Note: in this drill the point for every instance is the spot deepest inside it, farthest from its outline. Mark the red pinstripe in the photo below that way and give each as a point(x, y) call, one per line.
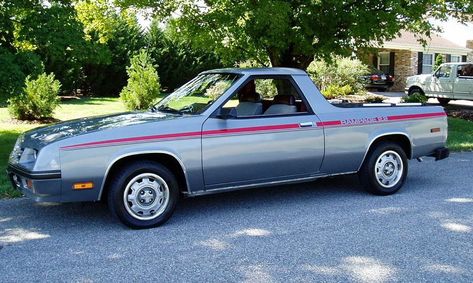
point(333, 123)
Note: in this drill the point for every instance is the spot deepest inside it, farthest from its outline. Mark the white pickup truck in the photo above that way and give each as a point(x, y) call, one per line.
point(450, 81)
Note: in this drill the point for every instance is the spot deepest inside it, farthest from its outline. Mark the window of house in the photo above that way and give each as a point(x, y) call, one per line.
point(455, 58)
point(384, 60)
point(427, 63)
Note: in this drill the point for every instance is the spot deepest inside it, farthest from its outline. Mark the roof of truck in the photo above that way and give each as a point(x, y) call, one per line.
point(260, 71)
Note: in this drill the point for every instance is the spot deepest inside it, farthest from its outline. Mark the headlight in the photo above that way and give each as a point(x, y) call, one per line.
point(29, 155)
point(48, 159)
point(17, 151)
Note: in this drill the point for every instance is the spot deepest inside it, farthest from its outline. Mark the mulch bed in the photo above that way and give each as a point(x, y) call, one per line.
point(466, 114)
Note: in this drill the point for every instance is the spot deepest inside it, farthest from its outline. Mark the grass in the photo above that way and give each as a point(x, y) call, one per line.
point(460, 135)
point(460, 131)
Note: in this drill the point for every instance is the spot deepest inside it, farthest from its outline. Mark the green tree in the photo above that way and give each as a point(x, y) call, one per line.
point(52, 31)
point(143, 83)
point(176, 60)
point(115, 36)
point(289, 33)
point(438, 61)
point(16, 63)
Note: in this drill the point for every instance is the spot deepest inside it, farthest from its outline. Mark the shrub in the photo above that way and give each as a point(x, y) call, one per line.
point(374, 99)
point(143, 83)
point(334, 91)
point(417, 97)
point(338, 71)
point(38, 99)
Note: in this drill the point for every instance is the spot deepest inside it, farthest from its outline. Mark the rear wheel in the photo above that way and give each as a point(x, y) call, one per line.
point(143, 194)
point(443, 101)
point(384, 170)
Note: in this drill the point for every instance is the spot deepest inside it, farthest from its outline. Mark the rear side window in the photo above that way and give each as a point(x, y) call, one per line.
point(465, 71)
point(266, 96)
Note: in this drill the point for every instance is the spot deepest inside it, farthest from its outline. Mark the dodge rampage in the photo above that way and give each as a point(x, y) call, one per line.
point(224, 130)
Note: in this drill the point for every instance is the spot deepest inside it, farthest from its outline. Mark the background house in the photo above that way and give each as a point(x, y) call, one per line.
point(405, 56)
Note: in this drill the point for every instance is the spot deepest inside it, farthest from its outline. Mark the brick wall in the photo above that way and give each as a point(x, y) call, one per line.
point(405, 65)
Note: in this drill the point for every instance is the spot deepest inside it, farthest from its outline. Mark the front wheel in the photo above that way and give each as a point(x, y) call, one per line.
point(415, 91)
point(384, 170)
point(143, 194)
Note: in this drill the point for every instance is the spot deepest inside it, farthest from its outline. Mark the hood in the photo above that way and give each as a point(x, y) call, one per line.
point(45, 135)
point(420, 77)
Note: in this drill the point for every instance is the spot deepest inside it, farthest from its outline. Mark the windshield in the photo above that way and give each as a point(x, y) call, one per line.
point(197, 95)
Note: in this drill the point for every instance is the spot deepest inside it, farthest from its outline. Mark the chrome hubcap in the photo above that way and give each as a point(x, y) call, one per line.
point(146, 196)
point(389, 169)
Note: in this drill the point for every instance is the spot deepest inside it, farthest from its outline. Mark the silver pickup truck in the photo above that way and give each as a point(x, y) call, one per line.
point(450, 81)
point(224, 130)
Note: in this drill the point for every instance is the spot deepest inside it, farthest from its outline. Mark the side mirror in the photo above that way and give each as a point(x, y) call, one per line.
point(226, 113)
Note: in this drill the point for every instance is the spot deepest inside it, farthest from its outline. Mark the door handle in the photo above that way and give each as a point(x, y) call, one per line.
point(306, 124)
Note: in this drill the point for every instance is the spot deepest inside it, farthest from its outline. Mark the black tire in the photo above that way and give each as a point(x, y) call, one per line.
point(443, 101)
point(415, 90)
point(157, 177)
point(369, 177)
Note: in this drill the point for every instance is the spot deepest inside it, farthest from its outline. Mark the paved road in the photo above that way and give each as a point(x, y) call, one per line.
point(329, 230)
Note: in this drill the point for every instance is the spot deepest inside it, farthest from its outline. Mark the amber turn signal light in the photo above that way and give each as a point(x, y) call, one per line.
point(83, 186)
point(435, 130)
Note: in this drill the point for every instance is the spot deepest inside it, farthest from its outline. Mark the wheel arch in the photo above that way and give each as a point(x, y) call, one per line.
point(412, 87)
point(397, 137)
point(167, 159)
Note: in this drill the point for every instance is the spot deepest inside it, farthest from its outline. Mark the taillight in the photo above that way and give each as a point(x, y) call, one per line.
point(374, 77)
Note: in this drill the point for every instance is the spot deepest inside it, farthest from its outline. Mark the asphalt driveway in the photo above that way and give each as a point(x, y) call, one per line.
point(329, 230)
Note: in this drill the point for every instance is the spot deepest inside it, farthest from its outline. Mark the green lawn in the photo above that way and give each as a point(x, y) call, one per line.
point(460, 131)
point(460, 134)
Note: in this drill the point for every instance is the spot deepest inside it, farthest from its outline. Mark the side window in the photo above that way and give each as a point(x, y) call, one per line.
point(266, 97)
point(444, 71)
point(465, 71)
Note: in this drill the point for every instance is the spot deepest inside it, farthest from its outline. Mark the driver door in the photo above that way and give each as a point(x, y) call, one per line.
point(239, 151)
point(442, 85)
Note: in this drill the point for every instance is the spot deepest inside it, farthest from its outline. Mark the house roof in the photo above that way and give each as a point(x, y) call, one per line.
point(436, 44)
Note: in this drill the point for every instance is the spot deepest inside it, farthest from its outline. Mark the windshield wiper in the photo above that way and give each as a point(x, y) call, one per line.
point(167, 109)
